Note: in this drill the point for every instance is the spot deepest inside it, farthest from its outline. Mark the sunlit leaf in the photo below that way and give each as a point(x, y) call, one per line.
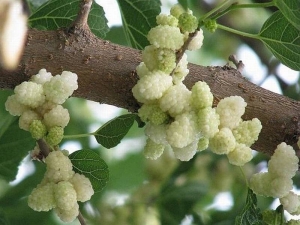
point(90, 164)
point(55, 14)
point(250, 214)
point(291, 10)
point(283, 39)
point(14, 146)
point(112, 132)
point(138, 17)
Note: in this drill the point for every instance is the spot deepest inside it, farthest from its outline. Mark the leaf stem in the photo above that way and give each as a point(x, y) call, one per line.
point(242, 6)
point(205, 16)
point(82, 17)
point(74, 136)
point(255, 36)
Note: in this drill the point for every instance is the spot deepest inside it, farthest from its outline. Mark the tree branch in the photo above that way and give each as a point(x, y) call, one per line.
point(107, 74)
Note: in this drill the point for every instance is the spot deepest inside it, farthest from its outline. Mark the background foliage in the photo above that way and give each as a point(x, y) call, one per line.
point(142, 191)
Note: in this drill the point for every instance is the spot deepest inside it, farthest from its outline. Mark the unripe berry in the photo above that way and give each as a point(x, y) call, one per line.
point(37, 129)
point(177, 10)
point(55, 135)
point(187, 22)
point(153, 150)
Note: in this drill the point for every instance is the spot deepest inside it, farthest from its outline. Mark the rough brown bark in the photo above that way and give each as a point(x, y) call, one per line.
point(106, 75)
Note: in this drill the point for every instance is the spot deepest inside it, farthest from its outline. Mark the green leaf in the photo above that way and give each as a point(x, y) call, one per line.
point(89, 163)
point(138, 16)
point(55, 14)
point(112, 132)
point(283, 40)
point(183, 3)
point(250, 214)
point(14, 146)
point(291, 10)
point(274, 217)
point(178, 201)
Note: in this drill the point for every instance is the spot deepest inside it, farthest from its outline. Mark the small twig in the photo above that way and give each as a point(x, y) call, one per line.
point(181, 51)
point(81, 219)
point(45, 150)
point(82, 17)
point(238, 63)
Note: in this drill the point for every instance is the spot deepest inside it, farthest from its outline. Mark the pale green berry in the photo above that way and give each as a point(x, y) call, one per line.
point(203, 144)
point(55, 135)
point(177, 10)
point(65, 195)
point(60, 87)
point(159, 36)
point(181, 70)
point(186, 153)
point(208, 122)
point(152, 150)
point(14, 107)
point(68, 216)
point(176, 100)
point(30, 94)
point(152, 86)
point(42, 198)
point(59, 167)
point(26, 119)
point(223, 142)
point(153, 114)
point(284, 162)
point(201, 95)
point(57, 116)
point(211, 25)
point(183, 130)
point(156, 133)
point(240, 155)
point(37, 129)
point(42, 77)
point(159, 59)
point(83, 187)
point(247, 131)
point(231, 110)
point(164, 19)
point(187, 22)
point(196, 41)
point(290, 202)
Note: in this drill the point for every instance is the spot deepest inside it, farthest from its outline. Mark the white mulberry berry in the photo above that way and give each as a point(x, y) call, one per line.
point(187, 152)
point(59, 167)
point(153, 150)
point(223, 142)
point(65, 195)
point(57, 116)
point(176, 100)
point(83, 187)
point(30, 94)
point(159, 36)
point(230, 110)
point(240, 155)
point(182, 131)
point(151, 87)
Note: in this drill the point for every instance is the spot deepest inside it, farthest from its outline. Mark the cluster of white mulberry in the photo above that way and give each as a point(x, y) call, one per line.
point(60, 188)
point(277, 182)
point(184, 119)
point(38, 103)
